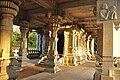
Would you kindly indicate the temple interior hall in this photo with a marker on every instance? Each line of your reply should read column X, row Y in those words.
column 59, row 40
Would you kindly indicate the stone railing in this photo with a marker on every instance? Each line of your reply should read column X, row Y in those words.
column 33, row 54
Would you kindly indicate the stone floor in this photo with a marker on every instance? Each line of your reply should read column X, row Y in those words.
column 81, row 72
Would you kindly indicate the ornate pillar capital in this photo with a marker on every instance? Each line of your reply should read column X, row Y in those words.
column 24, row 30
column 24, row 23
column 8, row 7
column 17, row 2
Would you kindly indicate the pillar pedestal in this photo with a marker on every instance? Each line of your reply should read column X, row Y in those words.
column 52, row 65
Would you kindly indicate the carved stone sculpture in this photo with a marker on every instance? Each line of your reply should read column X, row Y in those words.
column 104, row 12
column 112, row 14
column 107, row 13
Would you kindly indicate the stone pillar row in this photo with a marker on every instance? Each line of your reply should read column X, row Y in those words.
column 75, row 47
column 8, row 10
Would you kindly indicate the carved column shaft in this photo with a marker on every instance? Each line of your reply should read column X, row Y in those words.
column 53, row 54
column 88, row 45
column 46, row 47
column 8, row 10
column 5, row 34
column 92, row 46
column 66, row 42
column 105, row 51
column 53, row 41
column 24, row 37
column 68, row 47
column 23, row 46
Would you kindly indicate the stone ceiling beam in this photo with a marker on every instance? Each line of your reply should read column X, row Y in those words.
column 35, row 11
column 78, row 3
column 47, row 4
column 92, row 22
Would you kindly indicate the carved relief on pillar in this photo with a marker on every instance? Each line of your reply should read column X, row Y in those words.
column 24, row 31
column 46, row 45
column 107, row 10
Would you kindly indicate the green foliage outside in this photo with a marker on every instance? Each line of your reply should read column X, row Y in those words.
column 32, row 40
column 16, row 40
column 16, row 37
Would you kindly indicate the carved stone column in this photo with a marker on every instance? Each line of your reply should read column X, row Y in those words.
column 107, row 50
column 8, row 10
column 38, row 41
column 105, row 55
column 88, row 45
column 41, row 44
column 68, row 47
column 53, row 53
column 75, row 47
column 23, row 46
column 80, row 42
column 92, row 46
column 46, row 46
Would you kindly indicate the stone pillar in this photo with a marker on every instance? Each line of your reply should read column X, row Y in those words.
column 83, row 44
column 85, row 58
column 92, row 46
column 41, row 44
column 38, row 41
column 80, row 42
column 46, row 46
column 75, row 47
column 107, row 50
column 68, row 47
column 105, row 55
column 8, row 10
column 88, row 45
column 98, row 71
column 53, row 63
column 23, row 46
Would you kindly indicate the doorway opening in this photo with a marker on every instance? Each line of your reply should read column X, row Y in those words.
column 60, row 44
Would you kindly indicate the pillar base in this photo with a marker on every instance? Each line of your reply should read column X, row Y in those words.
column 103, row 77
column 8, row 69
column 4, row 76
column 24, row 60
column 52, row 65
column 53, row 70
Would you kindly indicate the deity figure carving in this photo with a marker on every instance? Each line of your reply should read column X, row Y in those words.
column 104, row 12
column 108, row 13
column 112, row 13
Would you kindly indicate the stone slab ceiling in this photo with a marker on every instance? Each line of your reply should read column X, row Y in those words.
column 36, row 12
